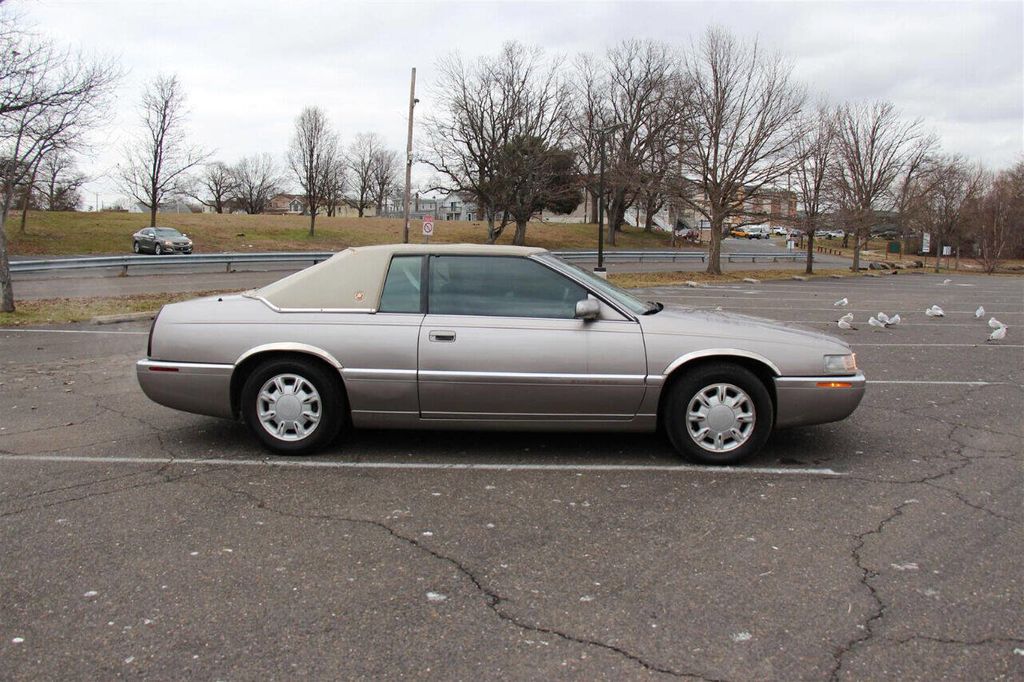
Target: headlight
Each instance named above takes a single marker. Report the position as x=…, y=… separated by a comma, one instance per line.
x=168, y=242
x=840, y=364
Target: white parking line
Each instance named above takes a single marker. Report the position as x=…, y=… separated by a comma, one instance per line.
x=416, y=466
x=943, y=345
x=943, y=383
x=68, y=331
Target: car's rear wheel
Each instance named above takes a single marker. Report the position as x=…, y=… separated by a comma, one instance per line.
x=719, y=413
x=293, y=406
x=135, y=247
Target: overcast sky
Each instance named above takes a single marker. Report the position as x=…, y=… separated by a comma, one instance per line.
x=249, y=67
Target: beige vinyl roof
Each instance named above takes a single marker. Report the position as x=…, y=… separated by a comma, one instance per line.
x=353, y=278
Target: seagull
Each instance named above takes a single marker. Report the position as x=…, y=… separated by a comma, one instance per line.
x=883, y=318
x=875, y=323
x=934, y=311
x=998, y=334
x=841, y=303
x=946, y=281
x=994, y=323
x=895, y=319
x=848, y=317
x=844, y=324
x=980, y=312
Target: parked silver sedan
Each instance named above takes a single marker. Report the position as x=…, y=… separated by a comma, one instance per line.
x=488, y=337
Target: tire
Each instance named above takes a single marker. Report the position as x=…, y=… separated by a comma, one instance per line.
x=158, y=250
x=737, y=439
x=135, y=247
x=302, y=431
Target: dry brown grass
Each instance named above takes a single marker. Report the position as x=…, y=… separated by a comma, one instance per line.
x=65, y=310
x=110, y=233
x=636, y=280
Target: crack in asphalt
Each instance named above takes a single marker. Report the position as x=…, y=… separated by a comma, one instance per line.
x=492, y=599
x=960, y=642
x=866, y=576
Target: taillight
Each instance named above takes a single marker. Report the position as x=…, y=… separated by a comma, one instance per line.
x=149, y=343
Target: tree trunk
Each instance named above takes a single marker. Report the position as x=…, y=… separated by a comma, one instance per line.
x=810, y=250
x=519, y=238
x=491, y=235
x=360, y=210
x=312, y=223
x=715, y=246
x=24, y=207
x=6, y=292
x=593, y=206
x=152, y=215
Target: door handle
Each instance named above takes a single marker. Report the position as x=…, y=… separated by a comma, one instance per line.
x=442, y=335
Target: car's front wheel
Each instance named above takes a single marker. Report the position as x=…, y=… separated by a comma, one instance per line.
x=158, y=249
x=719, y=413
x=293, y=406
x=135, y=247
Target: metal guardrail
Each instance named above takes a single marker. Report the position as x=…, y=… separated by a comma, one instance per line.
x=229, y=259
x=169, y=260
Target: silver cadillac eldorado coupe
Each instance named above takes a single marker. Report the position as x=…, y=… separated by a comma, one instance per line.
x=488, y=337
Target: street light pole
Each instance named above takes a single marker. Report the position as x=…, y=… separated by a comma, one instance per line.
x=600, y=199
x=600, y=210
x=408, y=157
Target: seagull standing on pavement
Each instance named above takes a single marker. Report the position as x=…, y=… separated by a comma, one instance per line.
x=841, y=303
x=994, y=323
x=998, y=335
x=895, y=319
x=934, y=311
x=883, y=318
x=980, y=312
x=875, y=323
x=845, y=324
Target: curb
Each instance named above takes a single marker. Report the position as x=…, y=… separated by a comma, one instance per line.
x=123, y=317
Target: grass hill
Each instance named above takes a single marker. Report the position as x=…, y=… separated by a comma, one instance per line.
x=70, y=233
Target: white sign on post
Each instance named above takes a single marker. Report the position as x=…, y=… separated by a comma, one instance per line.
x=947, y=250
x=428, y=226
x=926, y=242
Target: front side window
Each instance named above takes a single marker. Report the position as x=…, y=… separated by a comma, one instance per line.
x=402, y=286
x=500, y=286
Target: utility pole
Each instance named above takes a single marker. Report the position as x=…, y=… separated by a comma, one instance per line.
x=408, y=157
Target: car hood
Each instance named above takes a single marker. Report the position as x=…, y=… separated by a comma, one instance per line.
x=677, y=332
x=733, y=326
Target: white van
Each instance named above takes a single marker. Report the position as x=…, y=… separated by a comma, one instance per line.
x=758, y=232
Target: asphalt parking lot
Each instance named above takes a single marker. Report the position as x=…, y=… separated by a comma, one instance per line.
x=142, y=542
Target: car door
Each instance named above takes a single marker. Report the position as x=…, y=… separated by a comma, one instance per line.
x=149, y=239
x=500, y=342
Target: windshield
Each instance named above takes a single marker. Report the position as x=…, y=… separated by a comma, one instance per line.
x=168, y=232
x=606, y=288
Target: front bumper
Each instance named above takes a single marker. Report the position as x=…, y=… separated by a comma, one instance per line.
x=802, y=401
x=189, y=386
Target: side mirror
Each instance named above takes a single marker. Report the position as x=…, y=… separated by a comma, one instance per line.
x=587, y=309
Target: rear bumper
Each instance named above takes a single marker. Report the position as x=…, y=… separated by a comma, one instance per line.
x=802, y=401
x=189, y=386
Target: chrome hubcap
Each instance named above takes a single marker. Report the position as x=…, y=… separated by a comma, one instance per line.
x=289, y=407
x=720, y=417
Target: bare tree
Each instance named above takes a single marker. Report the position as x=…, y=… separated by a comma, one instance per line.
x=157, y=163
x=873, y=148
x=647, y=105
x=214, y=187
x=386, y=169
x=954, y=186
x=744, y=131
x=814, y=151
x=483, y=108
x=335, y=187
x=588, y=116
x=59, y=181
x=256, y=181
x=313, y=157
x=997, y=217
x=48, y=99
x=361, y=159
